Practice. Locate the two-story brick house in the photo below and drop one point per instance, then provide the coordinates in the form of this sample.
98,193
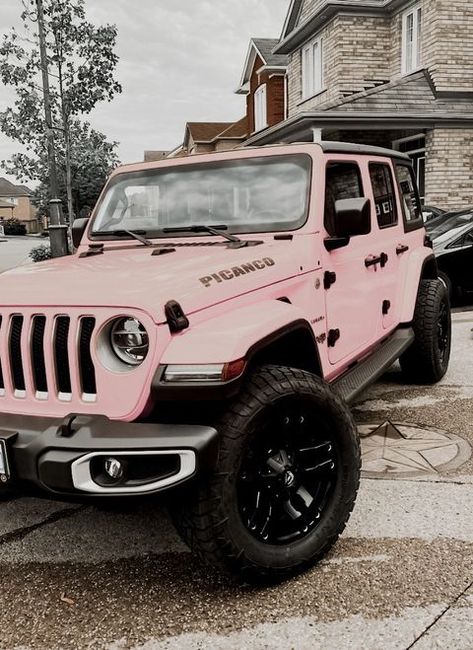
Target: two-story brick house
16,203
396,73
206,137
263,82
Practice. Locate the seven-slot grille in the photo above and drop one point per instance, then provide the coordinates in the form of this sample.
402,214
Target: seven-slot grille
47,356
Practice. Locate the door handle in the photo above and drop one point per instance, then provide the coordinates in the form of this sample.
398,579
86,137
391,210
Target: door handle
401,249
374,260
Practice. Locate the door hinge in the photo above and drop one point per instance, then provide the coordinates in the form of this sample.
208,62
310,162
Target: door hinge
329,278
333,337
386,307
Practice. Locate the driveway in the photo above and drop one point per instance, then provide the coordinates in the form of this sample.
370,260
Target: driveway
14,250
401,576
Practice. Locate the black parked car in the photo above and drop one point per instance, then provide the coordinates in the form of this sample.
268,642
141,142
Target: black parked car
430,212
452,238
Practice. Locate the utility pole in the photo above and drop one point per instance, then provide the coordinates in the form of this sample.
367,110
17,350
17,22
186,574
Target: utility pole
57,227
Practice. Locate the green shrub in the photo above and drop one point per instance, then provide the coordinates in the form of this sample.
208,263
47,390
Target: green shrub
40,253
14,227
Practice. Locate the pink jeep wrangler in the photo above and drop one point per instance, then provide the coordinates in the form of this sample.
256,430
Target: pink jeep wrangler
219,314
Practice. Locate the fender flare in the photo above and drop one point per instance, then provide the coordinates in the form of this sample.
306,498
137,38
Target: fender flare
421,267
230,336
221,340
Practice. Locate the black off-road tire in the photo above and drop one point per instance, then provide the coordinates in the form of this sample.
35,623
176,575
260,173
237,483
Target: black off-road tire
426,361
443,277
210,519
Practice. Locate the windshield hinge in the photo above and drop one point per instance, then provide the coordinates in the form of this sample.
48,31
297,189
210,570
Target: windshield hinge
94,249
175,316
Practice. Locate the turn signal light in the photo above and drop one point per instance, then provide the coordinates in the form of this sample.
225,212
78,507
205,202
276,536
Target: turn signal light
216,372
233,369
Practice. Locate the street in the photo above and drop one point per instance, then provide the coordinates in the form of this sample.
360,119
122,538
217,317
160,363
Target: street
400,577
14,250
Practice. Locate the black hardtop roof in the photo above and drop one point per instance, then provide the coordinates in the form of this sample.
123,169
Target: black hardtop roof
349,147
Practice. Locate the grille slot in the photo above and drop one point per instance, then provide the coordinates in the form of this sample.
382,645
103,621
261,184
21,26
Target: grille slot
61,355
16,360
86,365
37,354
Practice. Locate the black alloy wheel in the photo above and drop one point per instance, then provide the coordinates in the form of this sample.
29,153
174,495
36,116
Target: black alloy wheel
287,477
444,331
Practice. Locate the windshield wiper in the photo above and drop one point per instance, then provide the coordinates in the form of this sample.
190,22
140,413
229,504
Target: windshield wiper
136,234
213,230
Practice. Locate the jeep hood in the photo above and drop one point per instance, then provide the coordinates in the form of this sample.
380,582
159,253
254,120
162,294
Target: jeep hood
196,277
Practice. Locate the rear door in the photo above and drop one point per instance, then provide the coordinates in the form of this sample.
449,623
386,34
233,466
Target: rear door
387,238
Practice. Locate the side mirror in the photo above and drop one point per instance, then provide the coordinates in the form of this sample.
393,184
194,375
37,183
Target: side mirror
78,229
353,217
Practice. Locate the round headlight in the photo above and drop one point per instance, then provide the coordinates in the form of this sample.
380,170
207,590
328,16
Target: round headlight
129,341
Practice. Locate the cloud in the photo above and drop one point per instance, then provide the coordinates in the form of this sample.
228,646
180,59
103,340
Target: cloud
180,60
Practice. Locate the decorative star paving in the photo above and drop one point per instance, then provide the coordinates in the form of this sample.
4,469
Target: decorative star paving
397,448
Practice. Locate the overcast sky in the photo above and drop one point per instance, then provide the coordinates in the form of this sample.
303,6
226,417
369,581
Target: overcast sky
180,60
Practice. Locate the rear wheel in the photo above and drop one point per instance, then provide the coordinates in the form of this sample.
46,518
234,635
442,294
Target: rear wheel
426,361
443,277
284,483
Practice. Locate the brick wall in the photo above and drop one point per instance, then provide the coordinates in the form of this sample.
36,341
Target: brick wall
275,90
274,95
23,210
449,168
360,50
357,54
452,44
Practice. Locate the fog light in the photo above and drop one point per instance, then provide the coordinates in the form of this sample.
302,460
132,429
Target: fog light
114,468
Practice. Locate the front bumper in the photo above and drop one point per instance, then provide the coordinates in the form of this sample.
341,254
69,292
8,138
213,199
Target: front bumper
67,458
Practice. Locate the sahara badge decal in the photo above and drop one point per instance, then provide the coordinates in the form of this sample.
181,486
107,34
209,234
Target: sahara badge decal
236,271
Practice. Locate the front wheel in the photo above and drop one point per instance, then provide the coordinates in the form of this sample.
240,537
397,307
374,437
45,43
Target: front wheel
426,361
285,480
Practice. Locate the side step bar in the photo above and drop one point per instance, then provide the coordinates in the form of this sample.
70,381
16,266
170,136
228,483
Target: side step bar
355,380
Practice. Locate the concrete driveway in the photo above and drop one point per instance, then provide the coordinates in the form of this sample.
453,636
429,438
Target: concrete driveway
401,577
14,250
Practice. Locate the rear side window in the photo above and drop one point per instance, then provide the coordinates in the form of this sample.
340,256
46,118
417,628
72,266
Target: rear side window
384,197
343,181
409,196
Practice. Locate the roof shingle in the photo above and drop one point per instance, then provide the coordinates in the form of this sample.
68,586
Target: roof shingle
409,94
266,46
9,189
206,131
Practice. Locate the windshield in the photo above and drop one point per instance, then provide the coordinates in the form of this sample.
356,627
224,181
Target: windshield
450,224
257,195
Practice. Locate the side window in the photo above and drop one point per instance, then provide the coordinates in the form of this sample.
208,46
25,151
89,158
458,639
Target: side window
409,196
384,197
343,181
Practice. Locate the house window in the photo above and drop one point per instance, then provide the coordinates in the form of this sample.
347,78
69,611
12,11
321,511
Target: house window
412,40
13,200
261,114
312,68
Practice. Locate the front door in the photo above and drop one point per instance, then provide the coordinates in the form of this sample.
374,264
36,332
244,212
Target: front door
352,303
